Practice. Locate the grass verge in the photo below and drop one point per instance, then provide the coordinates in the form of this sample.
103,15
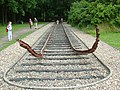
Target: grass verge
108,34
16,27
14,41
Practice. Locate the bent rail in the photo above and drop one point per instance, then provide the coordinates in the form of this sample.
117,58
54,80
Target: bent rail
31,77
84,52
40,55
29,49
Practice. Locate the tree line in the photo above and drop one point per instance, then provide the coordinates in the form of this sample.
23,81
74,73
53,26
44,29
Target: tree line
44,10
76,12
94,12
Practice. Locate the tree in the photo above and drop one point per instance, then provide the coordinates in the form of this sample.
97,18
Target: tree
94,12
46,10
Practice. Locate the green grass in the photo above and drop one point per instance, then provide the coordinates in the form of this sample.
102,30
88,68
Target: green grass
2,31
13,41
16,27
108,34
112,39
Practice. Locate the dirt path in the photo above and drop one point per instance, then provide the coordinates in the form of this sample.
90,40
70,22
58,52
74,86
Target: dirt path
16,34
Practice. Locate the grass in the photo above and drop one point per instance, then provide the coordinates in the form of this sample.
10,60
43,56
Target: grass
16,27
112,39
108,34
13,41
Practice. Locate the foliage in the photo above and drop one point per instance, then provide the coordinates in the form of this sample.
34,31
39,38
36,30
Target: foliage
105,34
94,12
45,10
1,2
13,6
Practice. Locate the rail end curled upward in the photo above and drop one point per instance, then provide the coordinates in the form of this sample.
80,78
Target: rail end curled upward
29,49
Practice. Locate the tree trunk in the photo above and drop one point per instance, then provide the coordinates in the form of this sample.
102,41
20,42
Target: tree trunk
44,15
6,18
3,17
14,18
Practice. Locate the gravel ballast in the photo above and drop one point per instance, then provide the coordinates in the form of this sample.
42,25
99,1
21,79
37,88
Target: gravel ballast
107,54
10,55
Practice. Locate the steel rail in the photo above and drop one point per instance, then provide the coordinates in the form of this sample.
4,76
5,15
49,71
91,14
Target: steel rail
40,55
29,48
42,50
58,88
84,52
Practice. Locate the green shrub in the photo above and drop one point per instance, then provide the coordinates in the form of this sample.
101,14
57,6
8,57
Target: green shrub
83,13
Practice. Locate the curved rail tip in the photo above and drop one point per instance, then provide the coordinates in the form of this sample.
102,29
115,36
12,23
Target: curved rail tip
94,46
29,49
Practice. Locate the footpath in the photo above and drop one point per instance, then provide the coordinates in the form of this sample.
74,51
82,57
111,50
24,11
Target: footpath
10,55
4,40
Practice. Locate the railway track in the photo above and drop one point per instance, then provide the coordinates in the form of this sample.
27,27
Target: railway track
61,66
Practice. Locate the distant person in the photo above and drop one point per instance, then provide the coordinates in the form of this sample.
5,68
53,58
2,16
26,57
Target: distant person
9,28
35,22
61,20
57,21
30,23
21,22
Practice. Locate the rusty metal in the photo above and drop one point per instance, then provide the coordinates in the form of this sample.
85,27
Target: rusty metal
29,49
57,71
94,47
40,55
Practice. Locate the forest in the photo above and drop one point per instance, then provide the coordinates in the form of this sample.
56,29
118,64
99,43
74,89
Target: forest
83,14
94,12
75,12
43,10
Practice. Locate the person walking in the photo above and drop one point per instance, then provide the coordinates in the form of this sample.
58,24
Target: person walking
61,20
30,23
35,23
9,29
57,21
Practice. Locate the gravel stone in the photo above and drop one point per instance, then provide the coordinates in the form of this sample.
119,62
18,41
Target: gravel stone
107,54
